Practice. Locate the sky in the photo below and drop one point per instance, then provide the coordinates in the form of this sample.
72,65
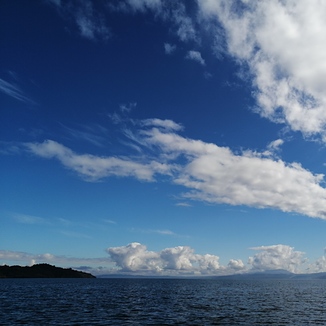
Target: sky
156,137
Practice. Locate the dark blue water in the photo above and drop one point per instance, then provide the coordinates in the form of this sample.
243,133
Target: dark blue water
162,302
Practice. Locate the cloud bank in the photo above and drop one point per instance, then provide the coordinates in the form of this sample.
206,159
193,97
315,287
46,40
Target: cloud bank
208,172
136,259
180,260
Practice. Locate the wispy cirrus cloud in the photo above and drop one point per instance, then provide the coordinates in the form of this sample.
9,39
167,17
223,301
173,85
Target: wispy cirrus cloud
174,12
14,91
29,219
157,231
94,134
89,20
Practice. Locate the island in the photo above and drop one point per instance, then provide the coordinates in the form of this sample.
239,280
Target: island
41,271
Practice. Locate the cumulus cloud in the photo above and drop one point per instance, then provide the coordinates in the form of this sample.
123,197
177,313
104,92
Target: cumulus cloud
135,258
180,260
196,56
277,257
319,266
210,172
283,45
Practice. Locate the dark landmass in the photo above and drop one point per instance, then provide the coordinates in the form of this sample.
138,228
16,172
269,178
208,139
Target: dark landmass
41,271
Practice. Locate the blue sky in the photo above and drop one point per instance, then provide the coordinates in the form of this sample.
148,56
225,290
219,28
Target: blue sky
166,138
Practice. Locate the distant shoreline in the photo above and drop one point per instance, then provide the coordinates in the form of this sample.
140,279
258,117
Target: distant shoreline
41,271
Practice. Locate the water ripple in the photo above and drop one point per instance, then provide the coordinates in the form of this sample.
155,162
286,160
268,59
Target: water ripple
161,302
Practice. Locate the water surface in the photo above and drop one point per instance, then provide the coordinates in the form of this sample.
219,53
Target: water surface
162,302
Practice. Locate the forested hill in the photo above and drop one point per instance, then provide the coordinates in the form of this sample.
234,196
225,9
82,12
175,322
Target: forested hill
41,271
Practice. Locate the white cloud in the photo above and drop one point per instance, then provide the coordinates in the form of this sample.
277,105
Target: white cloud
165,124
284,46
185,28
177,258
236,264
217,175
182,204
180,260
275,145
211,173
134,257
196,56
273,148
277,257
169,48
93,167
319,266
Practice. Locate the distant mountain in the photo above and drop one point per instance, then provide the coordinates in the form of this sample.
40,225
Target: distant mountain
276,274
41,271
279,274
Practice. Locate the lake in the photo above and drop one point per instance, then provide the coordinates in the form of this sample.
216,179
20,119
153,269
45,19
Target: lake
162,302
